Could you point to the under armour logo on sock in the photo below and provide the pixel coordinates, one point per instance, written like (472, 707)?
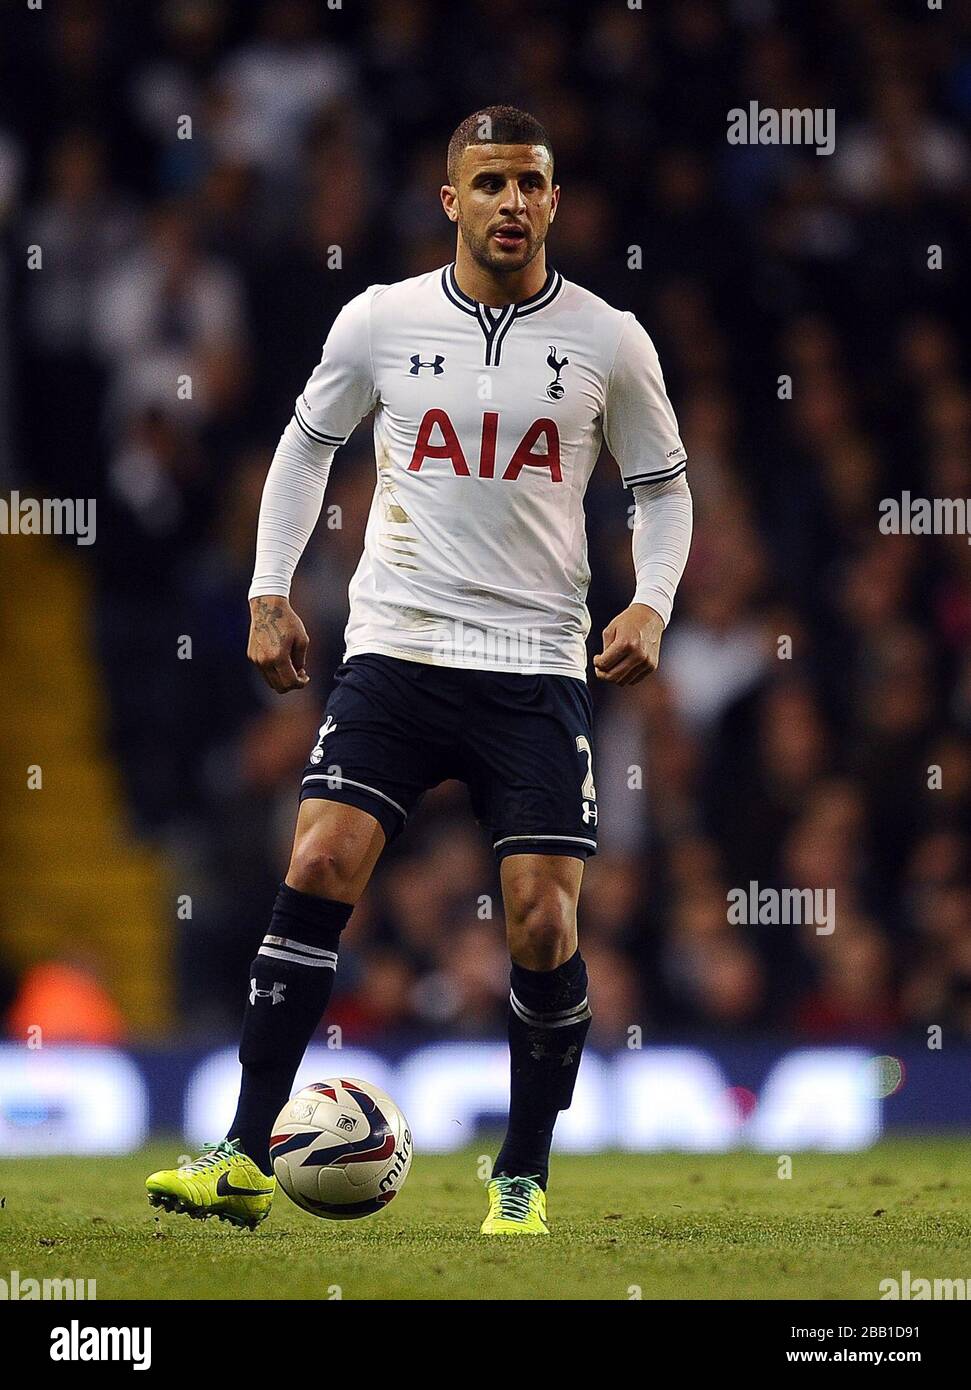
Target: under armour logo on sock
(275, 995)
(542, 1050)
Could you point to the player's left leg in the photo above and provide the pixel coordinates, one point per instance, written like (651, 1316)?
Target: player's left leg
(527, 756)
(549, 1017)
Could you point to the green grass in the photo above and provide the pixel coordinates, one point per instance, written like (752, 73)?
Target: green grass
(678, 1226)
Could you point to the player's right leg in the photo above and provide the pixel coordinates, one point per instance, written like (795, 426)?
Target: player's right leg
(386, 738)
(335, 849)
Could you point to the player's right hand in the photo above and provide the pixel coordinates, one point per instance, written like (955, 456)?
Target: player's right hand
(278, 643)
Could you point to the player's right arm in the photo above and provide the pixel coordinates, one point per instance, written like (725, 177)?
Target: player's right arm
(338, 395)
(278, 642)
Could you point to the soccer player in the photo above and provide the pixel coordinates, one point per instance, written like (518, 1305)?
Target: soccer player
(493, 382)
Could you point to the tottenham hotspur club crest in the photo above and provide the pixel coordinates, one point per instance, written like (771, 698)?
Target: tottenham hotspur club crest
(328, 727)
(556, 388)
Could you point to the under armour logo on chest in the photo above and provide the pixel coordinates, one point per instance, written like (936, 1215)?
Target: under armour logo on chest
(417, 364)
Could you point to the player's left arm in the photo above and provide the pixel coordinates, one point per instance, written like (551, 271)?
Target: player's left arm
(641, 431)
(661, 541)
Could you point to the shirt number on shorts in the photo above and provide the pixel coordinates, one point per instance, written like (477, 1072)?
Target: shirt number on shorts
(588, 791)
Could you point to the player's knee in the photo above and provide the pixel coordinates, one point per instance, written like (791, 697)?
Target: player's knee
(541, 924)
(324, 866)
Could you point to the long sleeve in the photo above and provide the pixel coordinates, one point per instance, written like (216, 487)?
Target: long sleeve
(639, 423)
(293, 495)
(338, 395)
(661, 541)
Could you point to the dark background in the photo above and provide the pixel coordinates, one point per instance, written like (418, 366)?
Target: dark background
(314, 129)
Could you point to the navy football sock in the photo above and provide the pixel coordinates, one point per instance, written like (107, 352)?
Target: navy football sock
(290, 981)
(549, 1018)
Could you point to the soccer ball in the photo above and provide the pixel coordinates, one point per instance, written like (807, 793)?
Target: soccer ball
(341, 1148)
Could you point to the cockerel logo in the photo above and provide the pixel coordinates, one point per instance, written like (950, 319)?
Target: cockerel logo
(328, 727)
(556, 388)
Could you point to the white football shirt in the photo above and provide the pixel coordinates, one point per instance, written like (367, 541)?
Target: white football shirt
(487, 426)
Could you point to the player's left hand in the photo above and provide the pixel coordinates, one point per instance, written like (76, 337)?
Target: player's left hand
(632, 644)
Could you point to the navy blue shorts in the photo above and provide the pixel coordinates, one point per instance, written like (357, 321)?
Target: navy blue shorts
(393, 729)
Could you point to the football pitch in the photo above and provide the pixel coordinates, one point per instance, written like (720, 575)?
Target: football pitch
(665, 1226)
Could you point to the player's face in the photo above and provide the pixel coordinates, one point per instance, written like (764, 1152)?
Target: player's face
(504, 200)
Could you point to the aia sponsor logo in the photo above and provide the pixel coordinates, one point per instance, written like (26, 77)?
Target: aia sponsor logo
(438, 439)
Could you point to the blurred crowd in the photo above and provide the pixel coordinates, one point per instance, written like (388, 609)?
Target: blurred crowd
(816, 671)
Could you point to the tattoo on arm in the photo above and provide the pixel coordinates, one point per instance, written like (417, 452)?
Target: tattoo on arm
(266, 617)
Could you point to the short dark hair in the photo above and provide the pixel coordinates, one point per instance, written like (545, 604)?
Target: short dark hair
(495, 125)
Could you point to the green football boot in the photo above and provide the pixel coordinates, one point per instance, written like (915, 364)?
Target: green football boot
(222, 1182)
(517, 1207)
